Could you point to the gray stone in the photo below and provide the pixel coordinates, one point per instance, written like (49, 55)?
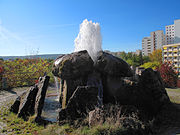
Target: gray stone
(73, 65)
(32, 101)
(40, 97)
(26, 107)
(15, 106)
(83, 100)
(110, 114)
(108, 64)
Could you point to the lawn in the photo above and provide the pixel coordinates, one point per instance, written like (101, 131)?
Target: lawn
(174, 95)
(14, 125)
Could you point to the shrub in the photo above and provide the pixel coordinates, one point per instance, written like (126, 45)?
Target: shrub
(153, 65)
(168, 74)
(25, 72)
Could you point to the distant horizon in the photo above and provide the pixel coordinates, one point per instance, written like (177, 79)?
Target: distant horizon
(49, 54)
(50, 27)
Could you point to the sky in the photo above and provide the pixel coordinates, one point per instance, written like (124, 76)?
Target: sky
(50, 26)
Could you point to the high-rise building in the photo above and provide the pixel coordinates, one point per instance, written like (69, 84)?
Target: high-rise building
(171, 53)
(146, 46)
(173, 33)
(154, 42)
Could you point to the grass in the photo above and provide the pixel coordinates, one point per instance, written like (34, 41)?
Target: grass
(16, 125)
(174, 95)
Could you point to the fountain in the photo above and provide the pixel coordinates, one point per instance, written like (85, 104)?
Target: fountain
(89, 38)
(94, 78)
(89, 79)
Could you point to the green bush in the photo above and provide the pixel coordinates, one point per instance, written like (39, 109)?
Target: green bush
(25, 72)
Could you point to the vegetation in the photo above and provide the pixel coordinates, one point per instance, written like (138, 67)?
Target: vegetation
(16, 125)
(155, 60)
(13, 125)
(168, 74)
(133, 59)
(167, 70)
(174, 95)
(24, 72)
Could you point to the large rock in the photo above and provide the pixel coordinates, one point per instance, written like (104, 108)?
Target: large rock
(110, 65)
(111, 114)
(15, 106)
(32, 101)
(26, 107)
(83, 100)
(153, 94)
(147, 94)
(73, 65)
(40, 97)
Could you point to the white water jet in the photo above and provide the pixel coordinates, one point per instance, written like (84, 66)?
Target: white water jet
(57, 86)
(89, 38)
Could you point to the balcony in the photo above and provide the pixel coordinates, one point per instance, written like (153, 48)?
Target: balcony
(170, 50)
(175, 60)
(175, 50)
(170, 55)
(175, 54)
(165, 50)
(176, 65)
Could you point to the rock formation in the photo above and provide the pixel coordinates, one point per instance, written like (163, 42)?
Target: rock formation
(111, 78)
(32, 101)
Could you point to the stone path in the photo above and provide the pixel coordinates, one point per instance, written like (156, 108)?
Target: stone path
(11, 94)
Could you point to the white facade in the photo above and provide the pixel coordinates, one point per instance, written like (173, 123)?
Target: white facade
(170, 34)
(173, 33)
(177, 31)
(157, 39)
(146, 46)
(154, 42)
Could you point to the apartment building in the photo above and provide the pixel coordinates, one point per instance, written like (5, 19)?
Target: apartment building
(171, 53)
(154, 42)
(173, 33)
(146, 46)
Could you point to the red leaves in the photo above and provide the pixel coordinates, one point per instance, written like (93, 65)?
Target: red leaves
(1, 70)
(24, 72)
(168, 74)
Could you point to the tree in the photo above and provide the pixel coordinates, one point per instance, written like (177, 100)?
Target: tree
(156, 56)
(153, 65)
(154, 60)
(168, 74)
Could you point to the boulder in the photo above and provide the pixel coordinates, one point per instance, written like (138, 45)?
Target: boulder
(110, 65)
(15, 106)
(96, 117)
(147, 94)
(26, 107)
(152, 95)
(83, 100)
(40, 97)
(32, 101)
(73, 65)
(111, 114)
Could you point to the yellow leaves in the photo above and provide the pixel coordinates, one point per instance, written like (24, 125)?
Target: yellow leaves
(156, 56)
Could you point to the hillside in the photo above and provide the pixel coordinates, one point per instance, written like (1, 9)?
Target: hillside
(43, 56)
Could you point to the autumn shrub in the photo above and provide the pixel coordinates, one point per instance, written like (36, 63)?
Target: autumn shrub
(25, 72)
(1, 72)
(168, 74)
